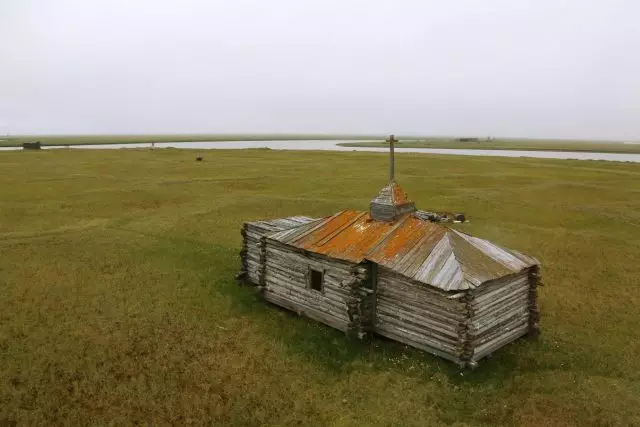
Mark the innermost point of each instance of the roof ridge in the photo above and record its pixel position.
(471, 240)
(455, 250)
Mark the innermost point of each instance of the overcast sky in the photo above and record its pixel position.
(504, 68)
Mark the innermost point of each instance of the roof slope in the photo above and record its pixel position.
(280, 224)
(429, 253)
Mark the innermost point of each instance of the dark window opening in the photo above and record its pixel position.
(316, 280)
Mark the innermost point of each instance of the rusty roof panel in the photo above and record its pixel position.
(429, 253)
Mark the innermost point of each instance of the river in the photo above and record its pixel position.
(332, 146)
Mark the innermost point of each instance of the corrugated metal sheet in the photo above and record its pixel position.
(416, 248)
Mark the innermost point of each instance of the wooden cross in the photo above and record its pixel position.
(392, 140)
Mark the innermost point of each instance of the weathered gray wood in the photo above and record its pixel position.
(425, 318)
(462, 326)
(444, 327)
(498, 298)
(286, 284)
(416, 340)
(500, 314)
(316, 299)
(498, 331)
(277, 285)
(490, 347)
(517, 312)
(415, 306)
(310, 312)
(418, 328)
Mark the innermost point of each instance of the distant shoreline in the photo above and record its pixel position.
(506, 144)
(47, 140)
(630, 147)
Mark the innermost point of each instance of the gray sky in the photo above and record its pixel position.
(489, 67)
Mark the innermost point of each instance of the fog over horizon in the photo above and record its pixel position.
(556, 69)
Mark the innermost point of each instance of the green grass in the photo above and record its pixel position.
(509, 144)
(118, 304)
(16, 141)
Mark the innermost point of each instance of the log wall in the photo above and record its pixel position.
(463, 327)
(252, 253)
(252, 234)
(420, 316)
(501, 313)
(286, 284)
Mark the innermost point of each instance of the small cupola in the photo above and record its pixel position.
(392, 201)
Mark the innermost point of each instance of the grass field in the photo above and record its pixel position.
(16, 141)
(118, 304)
(511, 144)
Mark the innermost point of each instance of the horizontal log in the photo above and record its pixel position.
(520, 295)
(406, 340)
(487, 290)
(514, 300)
(497, 332)
(418, 329)
(310, 312)
(415, 340)
(423, 308)
(281, 286)
(489, 348)
(443, 326)
(500, 310)
(308, 297)
(497, 296)
(290, 257)
(477, 329)
(329, 286)
(339, 264)
(415, 293)
(396, 278)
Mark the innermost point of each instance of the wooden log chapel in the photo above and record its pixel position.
(398, 272)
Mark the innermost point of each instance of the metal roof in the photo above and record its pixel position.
(274, 225)
(427, 252)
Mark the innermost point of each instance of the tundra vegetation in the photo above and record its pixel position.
(118, 303)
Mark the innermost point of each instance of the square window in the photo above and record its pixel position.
(315, 280)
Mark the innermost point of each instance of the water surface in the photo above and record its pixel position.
(332, 146)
